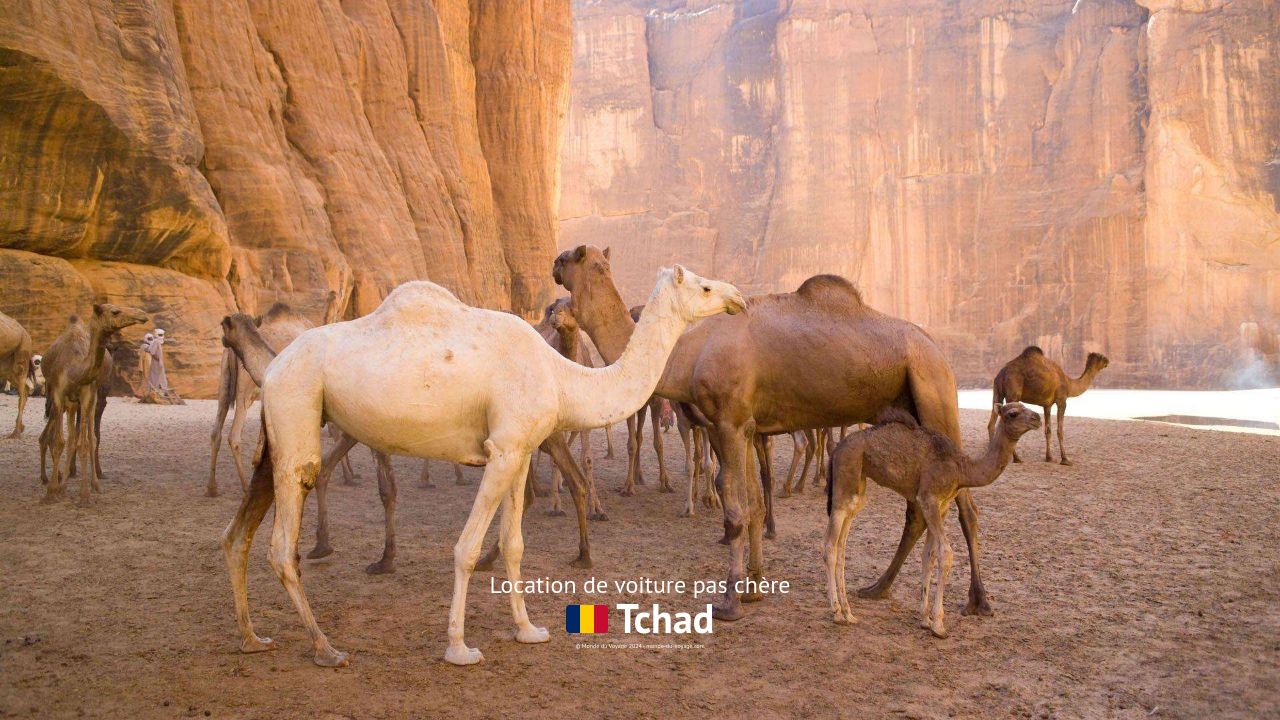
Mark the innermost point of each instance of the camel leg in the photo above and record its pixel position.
(424, 479)
(733, 444)
(686, 437)
(764, 455)
(796, 443)
(655, 422)
(99, 409)
(556, 478)
(1048, 438)
(810, 449)
(18, 377)
(243, 401)
(512, 540)
(710, 470)
(633, 454)
(226, 395)
(937, 565)
(847, 499)
(46, 438)
(73, 440)
(501, 475)
(291, 491)
(54, 427)
(235, 548)
(348, 473)
(84, 439)
(911, 529)
(588, 467)
(608, 442)
(968, 511)
(458, 478)
(820, 455)
(1062, 414)
(386, 491)
(338, 453)
(558, 449)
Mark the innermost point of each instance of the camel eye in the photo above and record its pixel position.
(706, 289)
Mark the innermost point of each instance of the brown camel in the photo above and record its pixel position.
(1034, 379)
(106, 376)
(814, 358)
(15, 364)
(928, 470)
(72, 370)
(278, 326)
(241, 336)
(560, 328)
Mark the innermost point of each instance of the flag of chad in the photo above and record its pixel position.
(586, 619)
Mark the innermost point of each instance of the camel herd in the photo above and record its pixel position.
(484, 388)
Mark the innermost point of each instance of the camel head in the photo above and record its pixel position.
(237, 326)
(1017, 419)
(697, 297)
(579, 268)
(1096, 360)
(560, 315)
(115, 317)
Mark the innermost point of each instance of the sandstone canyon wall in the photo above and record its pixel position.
(193, 157)
(1087, 175)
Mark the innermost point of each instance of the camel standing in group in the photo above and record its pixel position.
(278, 326)
(1034, 379)
(815, 358)
(15, 364)
(925, 468)
(72, 370)
(560, 329)
(447, 389)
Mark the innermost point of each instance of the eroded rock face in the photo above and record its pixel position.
(194, 157)
(1091, 175)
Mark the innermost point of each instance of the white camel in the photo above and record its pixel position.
(455, 383)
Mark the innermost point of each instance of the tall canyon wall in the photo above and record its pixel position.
(1087, 175)
(193, 157)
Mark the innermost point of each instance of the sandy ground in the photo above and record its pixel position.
(1142, 582)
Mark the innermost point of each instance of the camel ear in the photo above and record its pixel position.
(98, 310)
(606, 253)
(579, 253)
(679, 274)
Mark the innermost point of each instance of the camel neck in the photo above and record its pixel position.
(1077, 385)
(254, 353)
(97, 350)
(594, 398)
(569, 344)
(984, 470)
(605, 318)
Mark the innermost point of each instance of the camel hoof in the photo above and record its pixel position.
(320, 551)
(598, 517)
(13, 435)
(981, 608)
(51, 498)
(382, 567)
(666, 489)
(688, 512)
(1017, 459)
(532, 635)
(557, 512)
(1066, 462)
(462, 655)
(844, 617)
(626, 492)
(582, 562)
(728, 613)
(873, 592)
(257, 644)
(752, 597)
(938, 631)
(770, 534)
(328, 657)
(724, 540)
(783, 494)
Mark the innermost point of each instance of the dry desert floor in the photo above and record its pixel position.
(1141, 582)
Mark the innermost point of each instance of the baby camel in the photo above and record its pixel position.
(447, 389)
(927, 469)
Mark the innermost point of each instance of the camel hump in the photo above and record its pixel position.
(1031, 350)
(418, 296)
(276, 310)
(892, 415)
(830, 287)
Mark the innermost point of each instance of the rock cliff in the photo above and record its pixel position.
(192, 157)
(1086, 175)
